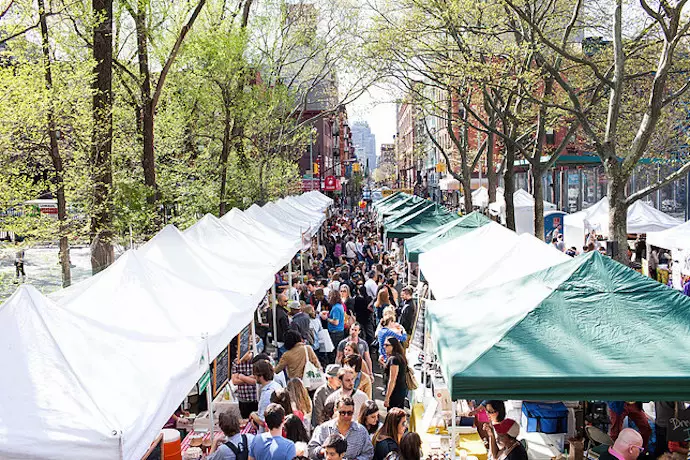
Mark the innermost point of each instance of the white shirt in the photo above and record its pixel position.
(350, 250)
(372, 287)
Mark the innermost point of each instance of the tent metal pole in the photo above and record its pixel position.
(275, 325)
(452, 424)
(209, 392)
(419, 276)
(254, 353)
(409, 273)
(290, 278)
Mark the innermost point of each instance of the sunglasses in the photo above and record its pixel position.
(346, 413)
(387, 345)
(492, 412)
(639, 447)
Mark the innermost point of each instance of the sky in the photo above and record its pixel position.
(377, 107)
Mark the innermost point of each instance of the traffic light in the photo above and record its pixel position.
(355, 167)
(315, 168)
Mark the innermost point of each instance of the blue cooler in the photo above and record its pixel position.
(547, 418)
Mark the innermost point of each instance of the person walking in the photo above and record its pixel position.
(387, 439)
(359, 445)
(282, 322)
(234, 446)
(19, 262)
(336, 321)
(369, 418)
(362, 348)
(347, 388)
(323, 392)
(396, 373)
(295, 357)
(272, 445)
(263, 373)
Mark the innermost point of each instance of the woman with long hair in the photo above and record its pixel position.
(300, 400)
(294, 429)
(369, 418)
(410, 446)
(387, 439)
(396, 372)
(315, 327)
(382, 301)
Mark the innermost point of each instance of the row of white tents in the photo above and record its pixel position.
(642, 217)
(94, 371)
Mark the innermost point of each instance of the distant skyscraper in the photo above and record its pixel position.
(365, 144)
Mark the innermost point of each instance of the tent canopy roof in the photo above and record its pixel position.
(429, 240)
(489, 255)
(583, 329)
(674, 238)
(429, 218)
(401, 212)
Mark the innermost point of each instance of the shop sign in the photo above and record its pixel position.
(330, 184)
(310, 184)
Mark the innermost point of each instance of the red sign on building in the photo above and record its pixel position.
(310, 184)
(330, 184)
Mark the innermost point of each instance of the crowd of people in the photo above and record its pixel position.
(348, 321)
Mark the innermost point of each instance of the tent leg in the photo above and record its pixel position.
(209, 394)
(301, 265)
(409, 273)
(254, 335)
(275, 325)
(452, 424)
(418, 274)
(290, 279)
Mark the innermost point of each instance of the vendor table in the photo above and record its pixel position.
(185, 442)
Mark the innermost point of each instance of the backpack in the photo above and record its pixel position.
(240, 454)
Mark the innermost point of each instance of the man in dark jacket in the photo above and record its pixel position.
(408, 310)
(300, 322)
(282, 321)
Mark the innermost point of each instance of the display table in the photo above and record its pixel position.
(472, 443)
(185, 442)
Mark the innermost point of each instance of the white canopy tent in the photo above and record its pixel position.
(78, 388)
(642, 218)
(287, 214)
(496, 254)
(523, 203)
(100, 368)
(316, 216)
(677, 237)
(274, 238)
(449, 183)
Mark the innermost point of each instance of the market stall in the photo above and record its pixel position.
(642, 218)
(401, 209)
(428, 218)
(102, 365)
(426, 241)
(581, 330)
(677, 240)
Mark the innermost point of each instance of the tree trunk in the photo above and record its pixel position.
(538, 191)
(102, 254)
(55, 151)
(509, 183)
(618, 216)
(466, 182)
(224, 154)
(490, 169)
(148, 161)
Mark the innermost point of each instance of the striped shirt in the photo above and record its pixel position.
(359, 446)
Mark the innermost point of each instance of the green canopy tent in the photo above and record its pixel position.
(394, 206)
(390, 198)
(429, 240)
(426, 219)
(589, 328)
(405, 209)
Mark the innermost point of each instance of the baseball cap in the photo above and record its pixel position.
(332, 370)
(294, 305)
(509, 427)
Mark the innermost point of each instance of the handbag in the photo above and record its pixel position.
(313, 377)
(410, 379)
(325, 342)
